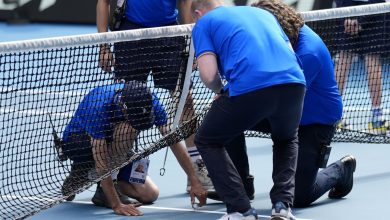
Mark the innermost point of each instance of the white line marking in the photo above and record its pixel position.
(28, 198)
(184, 210)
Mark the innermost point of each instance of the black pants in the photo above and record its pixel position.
(309, 183)
(165, 57)
(228, 117)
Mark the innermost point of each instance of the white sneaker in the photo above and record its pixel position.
(236, 216)
(281, 212)
(203, 175)
(251, 214)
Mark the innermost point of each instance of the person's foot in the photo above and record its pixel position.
(343, 125)
(203, 175)
(281, 212)
(100, 199)
(345, 186)
(251, 214)
(77, 178)
(378, 127)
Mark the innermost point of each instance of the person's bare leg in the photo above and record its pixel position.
(342, 68)
(144, 193)
(188, 114)
(198, 165)
(374, 69)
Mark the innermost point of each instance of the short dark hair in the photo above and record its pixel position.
(137, 101)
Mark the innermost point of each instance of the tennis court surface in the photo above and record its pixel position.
(370, 192)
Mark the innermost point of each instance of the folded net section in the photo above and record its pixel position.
(75, 109)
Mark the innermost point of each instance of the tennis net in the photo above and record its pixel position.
(42, 83)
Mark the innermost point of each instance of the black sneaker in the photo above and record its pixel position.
(100, 199)
(77, 178)
(345, 186)
(281, 212)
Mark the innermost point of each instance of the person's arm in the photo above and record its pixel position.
(100, 155)
(208, 69)
(102, 15)
(106, 60)
(184, 7)
(184, 160)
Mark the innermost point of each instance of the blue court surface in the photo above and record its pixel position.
(368, 199)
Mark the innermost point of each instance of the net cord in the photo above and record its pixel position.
(333, 13)
(168, 31)
(94, 39)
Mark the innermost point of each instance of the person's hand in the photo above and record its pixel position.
(198, 192)
(352, 26)
(127, 209)
(106, 58)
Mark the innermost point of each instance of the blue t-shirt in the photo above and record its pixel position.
(96, 112)
(323, 102)
(151, 13)
(252, 50)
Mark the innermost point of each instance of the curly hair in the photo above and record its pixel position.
(290, 20)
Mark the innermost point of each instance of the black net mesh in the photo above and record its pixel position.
(57, 104)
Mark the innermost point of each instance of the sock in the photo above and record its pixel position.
(376, 114)
(114, 175)
(194, 153)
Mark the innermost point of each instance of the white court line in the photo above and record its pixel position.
(33, 112)
(42, 92)
(184, 210)
(30, 198)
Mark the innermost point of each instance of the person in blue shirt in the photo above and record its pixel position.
(103, 131)
(247, 47)
(164, 58)
(364, 36)
(321, 112)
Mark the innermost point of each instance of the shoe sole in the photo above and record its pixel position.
(278, 218)
(339, 196)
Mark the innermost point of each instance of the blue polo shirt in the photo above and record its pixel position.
(252, 50)
(151, 13)
(96, 112)
(323, 102)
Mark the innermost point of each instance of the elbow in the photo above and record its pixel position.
(207, 78)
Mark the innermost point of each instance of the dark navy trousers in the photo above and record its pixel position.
(228, 117)
(309, 183)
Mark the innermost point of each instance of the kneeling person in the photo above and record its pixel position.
(102, 133)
